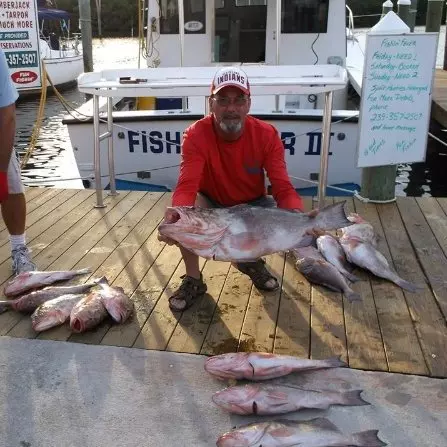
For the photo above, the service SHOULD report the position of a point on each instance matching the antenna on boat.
(181, 29)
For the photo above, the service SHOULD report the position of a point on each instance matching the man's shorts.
(15, 185)
(264, 202)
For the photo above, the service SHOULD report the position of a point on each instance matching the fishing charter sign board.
(19, 40)
(396, 98)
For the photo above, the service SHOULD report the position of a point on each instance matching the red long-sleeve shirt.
(233, 172)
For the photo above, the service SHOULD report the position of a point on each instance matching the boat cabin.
(227, 32)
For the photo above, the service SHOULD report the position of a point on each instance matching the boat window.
(194, 12)
(240, 31)
(304, 16)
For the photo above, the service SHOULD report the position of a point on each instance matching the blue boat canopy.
(52, 14)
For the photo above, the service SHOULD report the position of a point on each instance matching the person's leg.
(13, 211)
(192, 285)
(257, 271)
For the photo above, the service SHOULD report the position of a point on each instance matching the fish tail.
(352, 296)
(332, 217)
(406, 285)
(353, 398)
(101, 280)
(334, 362)
(367, 438)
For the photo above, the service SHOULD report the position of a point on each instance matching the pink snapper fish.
(262, 365)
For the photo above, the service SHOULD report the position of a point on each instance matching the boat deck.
(389, 330)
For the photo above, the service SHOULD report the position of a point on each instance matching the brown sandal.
(189, 291)
(258, 273)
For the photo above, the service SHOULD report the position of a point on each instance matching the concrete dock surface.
(71, 394)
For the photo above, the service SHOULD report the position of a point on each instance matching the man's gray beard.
(230, 128)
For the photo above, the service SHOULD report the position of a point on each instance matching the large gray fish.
(262, 365)
(263, 398)
(318, 271)
(366, 256)
(31, 301)
(88, 312)
(118, 304)
(245, 233)
(331, 250)
(54, 312)
(33, 280)
(319, 432)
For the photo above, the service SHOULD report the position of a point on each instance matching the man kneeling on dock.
(224, 156)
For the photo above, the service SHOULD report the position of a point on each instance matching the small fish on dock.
(266, 399)
(361, 230)
(54, 312)
(262, 365)
(33, 280)
(332, 251)
(366, 256)
(31, 301)
(318, 432)
(311, 264)
(118, 304)
(87, 313)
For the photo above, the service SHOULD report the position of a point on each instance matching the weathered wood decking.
(390, 330)
(439, 97)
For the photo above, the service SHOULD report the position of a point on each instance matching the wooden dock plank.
(432, 251)
(190, 331)
(429, 253)
(388, 330)
(226, 325)
(146, 293)
(293, 327)
(81, 242)
(436, 218)
(34, 197)
(159, 327)
(399, 340)
(42, 218)
(258, 330)
(425, 313)
(439, 97)
(115, 266)
(292, 333)
(100, 253)
(443, 204)
(363, 336)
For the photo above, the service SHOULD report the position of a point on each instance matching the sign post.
(19, 40)
(396, 100)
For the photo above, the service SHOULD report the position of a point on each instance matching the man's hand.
(4, 191)
(312, 213)
(168, 240)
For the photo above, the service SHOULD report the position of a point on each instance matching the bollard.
(386, 8)
(413, 13)
(403, 11)
(434, 14)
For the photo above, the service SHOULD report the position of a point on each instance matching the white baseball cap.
(230, 77)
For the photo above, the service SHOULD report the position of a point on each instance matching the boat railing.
(265, 80)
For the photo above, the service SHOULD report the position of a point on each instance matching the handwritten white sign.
(396, 98)
(19, 40)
